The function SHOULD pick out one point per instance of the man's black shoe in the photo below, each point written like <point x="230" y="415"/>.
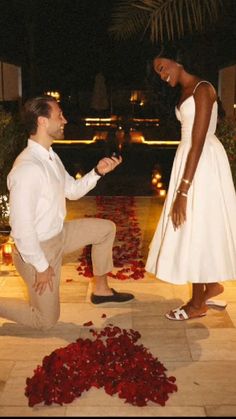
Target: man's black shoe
<point x="117" y="297"/>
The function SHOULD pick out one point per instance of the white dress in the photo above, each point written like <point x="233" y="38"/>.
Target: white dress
<point x="203" y="249"/>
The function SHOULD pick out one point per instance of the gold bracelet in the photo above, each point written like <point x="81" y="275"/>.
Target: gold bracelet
<point x="186" y="181"/>
<point x="182" y="193"/>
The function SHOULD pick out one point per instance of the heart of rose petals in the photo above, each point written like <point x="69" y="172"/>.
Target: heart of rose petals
<point x="113" y="360"/>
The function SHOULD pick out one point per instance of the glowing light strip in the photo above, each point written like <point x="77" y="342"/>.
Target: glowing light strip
<point x="74" y="141"/>
<point x="99" y="119"/>
<point x="161" y="142"/>
<point x="145" y="120"/>
<point x="95" y="138"/>
<point x="97" y="124"/>
<point x="155" y="142"/>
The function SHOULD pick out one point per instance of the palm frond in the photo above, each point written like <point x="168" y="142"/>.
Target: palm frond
<point x="165" y="19"/>
<point x="128" y="20"/>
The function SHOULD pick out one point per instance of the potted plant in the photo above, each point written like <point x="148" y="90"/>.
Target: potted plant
<point x="12" y="141"/>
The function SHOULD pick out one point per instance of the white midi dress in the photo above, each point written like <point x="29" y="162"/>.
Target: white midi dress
<point x="203" y="249"/>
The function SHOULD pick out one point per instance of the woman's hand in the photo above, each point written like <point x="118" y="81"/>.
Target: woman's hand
<point x="44" y="279"/>
<point x="178" y="211"/>
<point x="107" y="164"/>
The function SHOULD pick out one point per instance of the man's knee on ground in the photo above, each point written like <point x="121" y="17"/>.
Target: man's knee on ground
<point x="45" y="323"/>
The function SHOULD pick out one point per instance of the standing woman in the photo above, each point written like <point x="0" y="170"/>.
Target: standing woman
<point x="195" y="240"/>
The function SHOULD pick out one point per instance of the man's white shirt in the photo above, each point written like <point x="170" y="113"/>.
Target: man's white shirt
<point x="39" y="185"/>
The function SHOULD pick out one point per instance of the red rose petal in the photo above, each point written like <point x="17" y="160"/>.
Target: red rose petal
<point x="126" y="251"/>
<point x="90" y="323"/>
<point x="113" y="360"/>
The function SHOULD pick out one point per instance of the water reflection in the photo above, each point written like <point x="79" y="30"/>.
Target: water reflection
<point x="144" y="144"/>
<point x="132" y="177"/>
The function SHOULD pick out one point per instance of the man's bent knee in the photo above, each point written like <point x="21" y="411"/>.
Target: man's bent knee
<point x="107" y="231"/>
<point x="110" y="226"/>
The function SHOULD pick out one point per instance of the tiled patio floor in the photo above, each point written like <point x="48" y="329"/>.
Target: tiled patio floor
<point x="200" y="353"/>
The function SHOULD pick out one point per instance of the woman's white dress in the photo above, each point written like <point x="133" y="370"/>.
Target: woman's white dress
<point x="203" y="249"/>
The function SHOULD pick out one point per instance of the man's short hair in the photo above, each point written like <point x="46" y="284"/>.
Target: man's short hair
<point x="33" y="108"/>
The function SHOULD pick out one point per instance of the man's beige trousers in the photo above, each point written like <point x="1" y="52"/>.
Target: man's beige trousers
<point x="43" y="311"/>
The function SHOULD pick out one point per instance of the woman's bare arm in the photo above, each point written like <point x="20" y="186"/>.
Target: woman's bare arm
<point x="204" y="98"/>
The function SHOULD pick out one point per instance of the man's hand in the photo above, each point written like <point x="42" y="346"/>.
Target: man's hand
<point x="107" y="164"/>
<point x="43" y="279"/>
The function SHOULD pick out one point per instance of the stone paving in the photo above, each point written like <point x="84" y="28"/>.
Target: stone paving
<point x="200" y="353"/>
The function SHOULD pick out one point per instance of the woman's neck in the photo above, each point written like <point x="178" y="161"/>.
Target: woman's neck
<point x="188" y="81"/>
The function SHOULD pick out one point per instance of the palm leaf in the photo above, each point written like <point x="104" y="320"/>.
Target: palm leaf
<point x="164" y="19"/>
<point x="128" y="20"/>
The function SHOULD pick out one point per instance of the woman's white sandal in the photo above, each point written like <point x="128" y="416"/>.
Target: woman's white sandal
<point x="178" y="312"/>
<point x="216" y="303"/>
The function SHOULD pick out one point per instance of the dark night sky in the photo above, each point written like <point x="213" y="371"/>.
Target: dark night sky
<point x="72" y="44"/>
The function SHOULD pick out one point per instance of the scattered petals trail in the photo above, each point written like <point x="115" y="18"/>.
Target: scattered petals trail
<point x="111" y="360"/>
<point x="127" y="249"/>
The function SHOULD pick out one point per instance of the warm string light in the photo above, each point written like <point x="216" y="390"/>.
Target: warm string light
<point x="54" y="94"/>
<point x="157" y="183"/>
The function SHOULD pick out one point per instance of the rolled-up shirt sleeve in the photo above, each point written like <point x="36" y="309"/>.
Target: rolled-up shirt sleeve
<point x="25" y="184"/>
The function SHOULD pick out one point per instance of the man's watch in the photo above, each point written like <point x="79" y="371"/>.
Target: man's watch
<point x="97" y="172"/>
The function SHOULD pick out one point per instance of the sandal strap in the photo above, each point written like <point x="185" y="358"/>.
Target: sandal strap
<point x="180" y="312"/>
